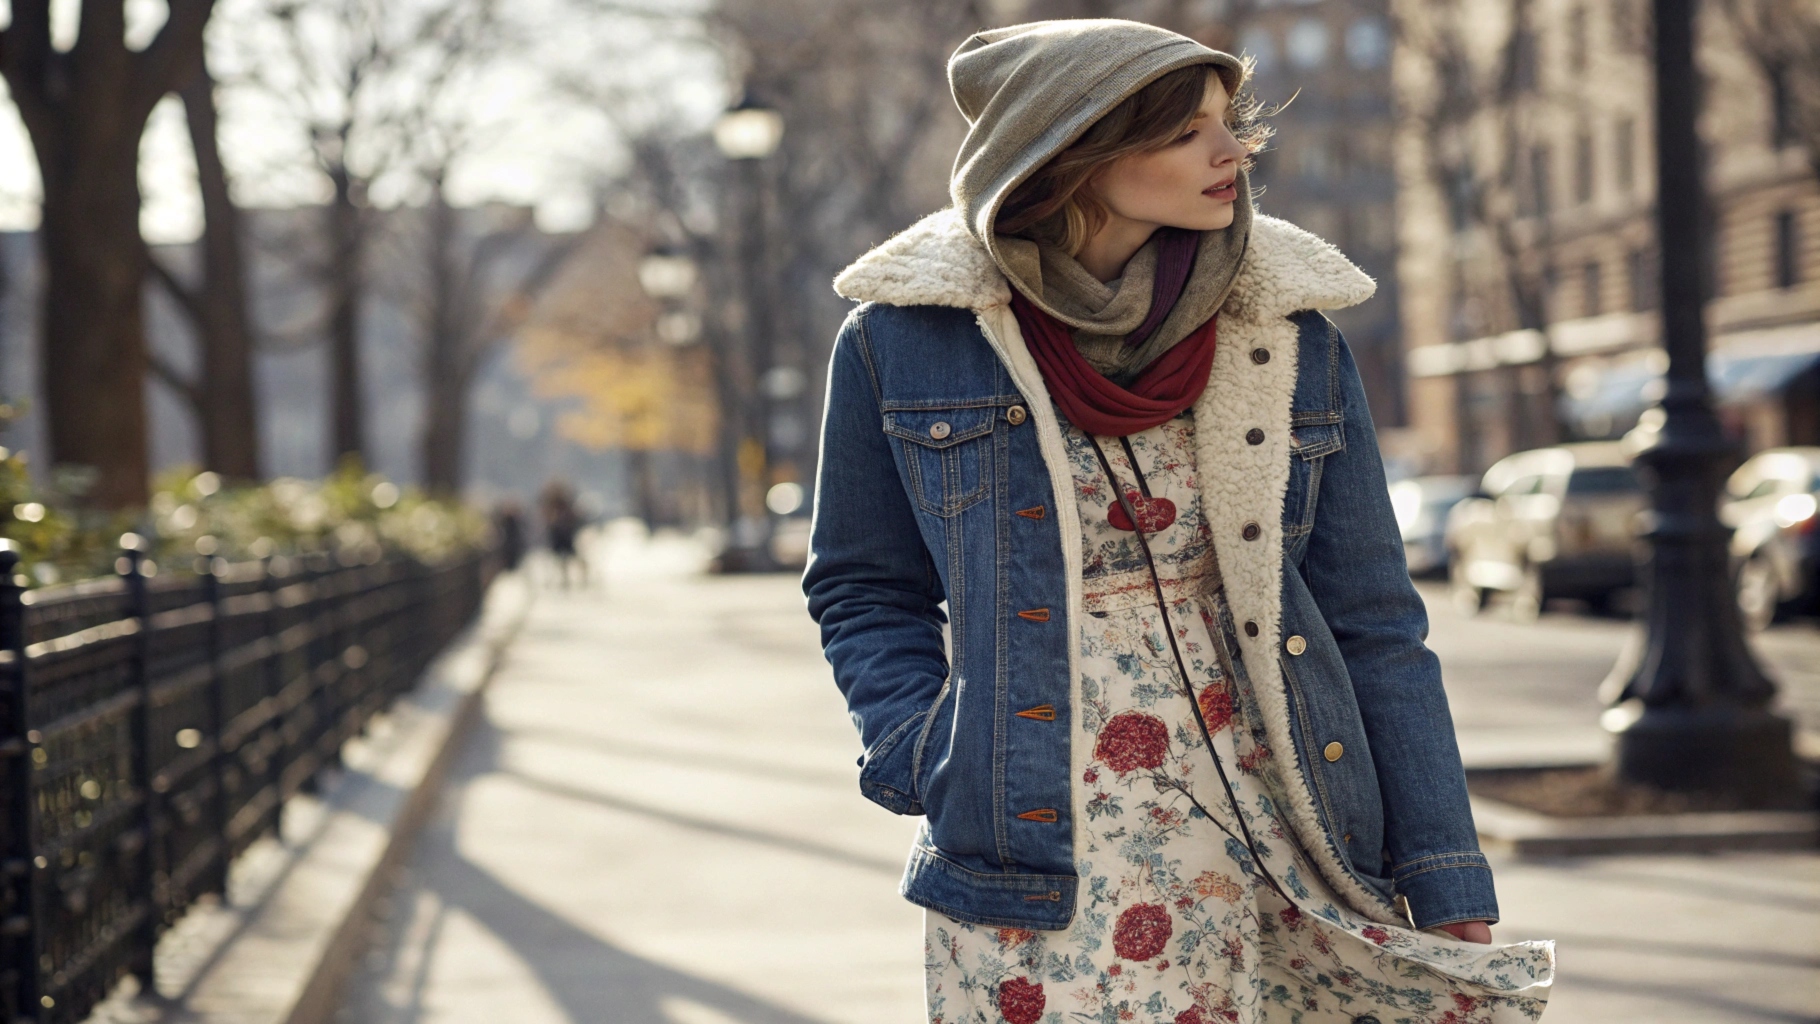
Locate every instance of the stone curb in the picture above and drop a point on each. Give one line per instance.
(1525, 833)
(284, 946)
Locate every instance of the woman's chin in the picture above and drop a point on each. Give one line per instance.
(1205, 220)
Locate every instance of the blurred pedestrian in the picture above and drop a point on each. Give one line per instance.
(562, 524)
(1191, 754)
(509, 523)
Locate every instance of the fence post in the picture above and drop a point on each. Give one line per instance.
(20, 968)
(276, 745)
(208, 572)
(131, 567)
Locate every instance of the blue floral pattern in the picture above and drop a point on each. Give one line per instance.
(1175, 922)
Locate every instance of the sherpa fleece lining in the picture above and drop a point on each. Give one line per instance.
(937, 262)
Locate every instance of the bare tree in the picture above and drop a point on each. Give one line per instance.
(222, 395)
(1783, 38)
(85, 109)
(351, 77)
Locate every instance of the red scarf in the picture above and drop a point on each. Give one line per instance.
(1097, 405)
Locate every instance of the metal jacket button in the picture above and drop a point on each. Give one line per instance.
(1260, 356)
(1251, 531)
(1295, 645)
(1016, 415)
(940, 429)
(1333, 751)
(1251, 629)
(1254, 436)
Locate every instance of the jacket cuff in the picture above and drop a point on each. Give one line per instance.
(1447, 888)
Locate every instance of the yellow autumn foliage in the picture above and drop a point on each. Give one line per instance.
(593, 339)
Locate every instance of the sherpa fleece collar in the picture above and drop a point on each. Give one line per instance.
(938, 262)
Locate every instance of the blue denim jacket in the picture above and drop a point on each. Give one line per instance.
(945, 575)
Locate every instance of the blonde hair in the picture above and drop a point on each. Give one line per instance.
(1056, 204)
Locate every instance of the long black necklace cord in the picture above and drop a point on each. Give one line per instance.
(1162, 606)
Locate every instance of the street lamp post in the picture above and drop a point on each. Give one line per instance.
(746, 135)
(1690, 705)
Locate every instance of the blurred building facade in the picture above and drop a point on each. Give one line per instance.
(1324, 67)
(1527, 256)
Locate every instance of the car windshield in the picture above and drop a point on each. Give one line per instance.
(1602, 480)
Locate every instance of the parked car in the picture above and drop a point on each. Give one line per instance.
(1771, 504)
(1553, 522)
(1421, 504)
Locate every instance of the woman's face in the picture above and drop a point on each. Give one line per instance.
(1189, 183)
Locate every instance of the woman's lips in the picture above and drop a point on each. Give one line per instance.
(1225, 193)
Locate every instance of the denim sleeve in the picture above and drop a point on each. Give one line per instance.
(871, 584)
(1354, 567)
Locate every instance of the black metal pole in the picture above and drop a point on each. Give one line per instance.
(1691, 707)
(21, 936)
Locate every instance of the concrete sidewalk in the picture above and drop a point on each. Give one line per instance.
(657, 821)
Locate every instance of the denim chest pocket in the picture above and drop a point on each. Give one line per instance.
(947, 455)
(1308, 443)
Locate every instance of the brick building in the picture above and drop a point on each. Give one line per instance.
(1525, 166)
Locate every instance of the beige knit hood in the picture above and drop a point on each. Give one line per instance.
(1028, 92)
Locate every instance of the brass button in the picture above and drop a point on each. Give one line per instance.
(1333, 751)
(1260, 356)
(1251, 531)
(1251, 629)
(1295, 645)
(940, 429)
(1347, 837)
(1254, 436)
(1016, 415)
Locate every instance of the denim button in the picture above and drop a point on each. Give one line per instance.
(1260, 356)
(1333, 751)
(1016, 415)
(1251, 629)
(1254, 436)
(1251, 531)
(940, 429)
(1295, 645)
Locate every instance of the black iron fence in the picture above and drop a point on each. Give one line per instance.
(152, 726)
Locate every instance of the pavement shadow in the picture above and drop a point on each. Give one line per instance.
(589, 979)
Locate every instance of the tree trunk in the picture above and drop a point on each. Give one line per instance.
(346, 247)
(93, 359)
(444, 362)
(228, 412)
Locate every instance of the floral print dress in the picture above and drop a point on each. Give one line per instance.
(1174, 923)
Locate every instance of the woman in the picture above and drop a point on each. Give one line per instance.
(1181, 751)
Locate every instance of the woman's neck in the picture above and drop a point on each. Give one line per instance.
(1112, 246)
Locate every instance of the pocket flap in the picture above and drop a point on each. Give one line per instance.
(1314, 440)
(940, 428)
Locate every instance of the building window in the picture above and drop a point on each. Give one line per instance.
(1540, 199)
(1631, 24)
(1261, 46)
(1583, 168)
(1781, 108)
(1642, 272)
(1367, 44)
(1626, 170)
(1306, 43)
(1576, 40)
(1589, 287)
(1523, 55)
(1788, 250)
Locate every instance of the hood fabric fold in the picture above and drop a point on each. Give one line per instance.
(1028, 92)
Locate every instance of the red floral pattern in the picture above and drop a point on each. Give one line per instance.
(1131, 741)
(1021, 1000)
(1169, 926)
(1142, 932)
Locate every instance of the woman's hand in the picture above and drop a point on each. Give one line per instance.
(1469, 931)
